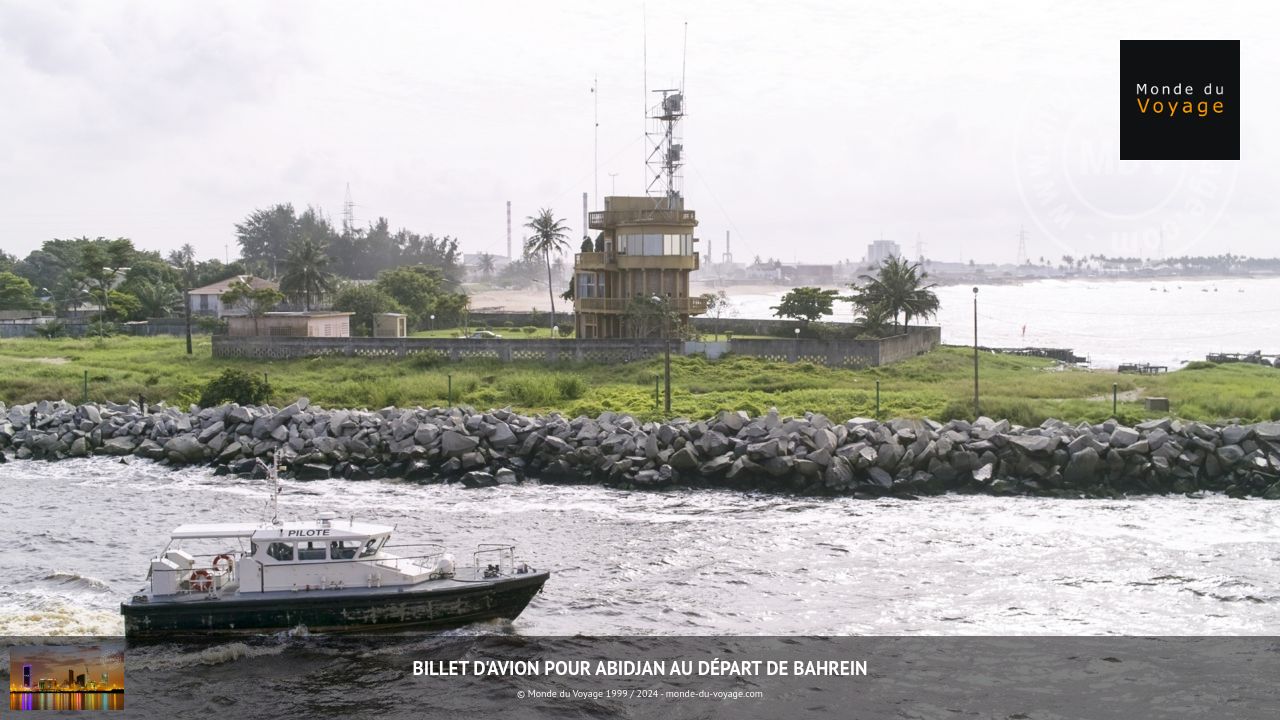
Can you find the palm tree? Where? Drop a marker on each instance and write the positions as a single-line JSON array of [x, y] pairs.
[[182, 257], [158, 300], [896, 290], [549, 235], [306, 273], [486, 264]]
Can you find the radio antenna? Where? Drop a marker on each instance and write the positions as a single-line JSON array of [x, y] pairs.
[[684, 55]]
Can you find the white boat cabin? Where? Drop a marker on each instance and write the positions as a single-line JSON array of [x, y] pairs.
[[322, 554]]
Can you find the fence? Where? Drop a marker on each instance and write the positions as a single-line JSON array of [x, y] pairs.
[[80, 329], [836, 353], [280, 348]]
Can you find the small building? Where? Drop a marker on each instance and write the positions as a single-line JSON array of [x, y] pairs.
[[394, 325], [292, 324], [207, 300]]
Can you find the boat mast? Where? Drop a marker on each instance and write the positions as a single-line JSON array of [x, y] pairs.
[[274, 474]]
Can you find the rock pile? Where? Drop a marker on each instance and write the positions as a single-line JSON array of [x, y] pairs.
[[809, 454]]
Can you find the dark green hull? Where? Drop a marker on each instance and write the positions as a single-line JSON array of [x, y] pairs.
[[437, 605]]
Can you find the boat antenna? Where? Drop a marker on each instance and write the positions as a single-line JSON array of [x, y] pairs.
[[274, 475]]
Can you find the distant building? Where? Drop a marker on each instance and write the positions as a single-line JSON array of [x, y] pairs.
[[809, 274], [770, 270], [880, 250], [292, 324], [646, 252], [207, 300], [26, 676]]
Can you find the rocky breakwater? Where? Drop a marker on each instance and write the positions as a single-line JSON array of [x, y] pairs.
[[809, 454]]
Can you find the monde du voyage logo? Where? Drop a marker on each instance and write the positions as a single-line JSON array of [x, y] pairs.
[[1179, 99]]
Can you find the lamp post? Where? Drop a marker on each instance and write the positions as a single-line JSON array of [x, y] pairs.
[[433, 323], [976, 413], [796, 347], [666, 354]]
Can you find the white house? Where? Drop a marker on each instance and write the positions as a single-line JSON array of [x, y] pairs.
[[207, 300]]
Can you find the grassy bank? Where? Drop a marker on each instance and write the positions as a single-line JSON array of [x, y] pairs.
[[937, 385]]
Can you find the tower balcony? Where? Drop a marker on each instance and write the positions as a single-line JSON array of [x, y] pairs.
[[615, 261], [680, 305]]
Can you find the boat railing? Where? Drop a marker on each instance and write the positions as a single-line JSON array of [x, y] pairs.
[[498, 552], [402, 563]]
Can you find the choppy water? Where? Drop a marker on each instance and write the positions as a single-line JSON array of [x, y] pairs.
[[1163, 322], [78, 534]]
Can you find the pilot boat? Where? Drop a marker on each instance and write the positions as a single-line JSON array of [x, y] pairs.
[[327, 574]]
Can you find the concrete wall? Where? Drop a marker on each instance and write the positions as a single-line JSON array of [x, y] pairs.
[[836, 353]]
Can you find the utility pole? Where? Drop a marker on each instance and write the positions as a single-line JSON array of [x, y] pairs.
[[509, 256], [187, 308], [664, 304], [976, 412]]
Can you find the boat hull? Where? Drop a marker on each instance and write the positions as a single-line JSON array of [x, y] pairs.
[[432, 606]]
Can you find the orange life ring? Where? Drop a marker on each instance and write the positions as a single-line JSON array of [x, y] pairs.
[[220, 558], [201, 581]]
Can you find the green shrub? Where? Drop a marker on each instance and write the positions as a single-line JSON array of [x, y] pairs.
[[570, 387], [101, 328], [236, 386], [50, 330], [528, 330], [211, 325], [1200, 365]]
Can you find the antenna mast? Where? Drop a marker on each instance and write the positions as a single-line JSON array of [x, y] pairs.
[[348, 213], [595, 96]]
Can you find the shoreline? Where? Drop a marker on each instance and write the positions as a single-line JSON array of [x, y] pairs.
[[810, 455], [490, 299]]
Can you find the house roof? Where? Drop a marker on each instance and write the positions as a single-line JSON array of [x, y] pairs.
[[222, 286]]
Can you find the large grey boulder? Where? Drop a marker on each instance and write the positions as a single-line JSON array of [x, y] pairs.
[[454, 443]]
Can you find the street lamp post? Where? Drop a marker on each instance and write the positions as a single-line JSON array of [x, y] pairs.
[[796, 347], [433, 323], [666, 353], [976, 412]]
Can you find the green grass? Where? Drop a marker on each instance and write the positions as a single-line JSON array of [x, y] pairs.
[[937, 385]]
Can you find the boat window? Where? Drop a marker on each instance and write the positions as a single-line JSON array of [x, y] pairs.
[[343, 549], [311, 552], [280, 551], [371, 547]]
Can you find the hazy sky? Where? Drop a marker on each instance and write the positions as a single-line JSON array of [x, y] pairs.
[[813, 127]]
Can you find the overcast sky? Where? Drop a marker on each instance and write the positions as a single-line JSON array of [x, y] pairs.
[[813, 127]]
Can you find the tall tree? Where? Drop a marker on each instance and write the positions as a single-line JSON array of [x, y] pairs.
[[366, 301], [806, 304], [306, 271], [718, 306], [264, 236], [7, 261], [16, 293], [100, 269], [421, 291], [486, 264], [549, 236], [183, 256]]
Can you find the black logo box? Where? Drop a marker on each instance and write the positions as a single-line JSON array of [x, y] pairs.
[[1191, 65]]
